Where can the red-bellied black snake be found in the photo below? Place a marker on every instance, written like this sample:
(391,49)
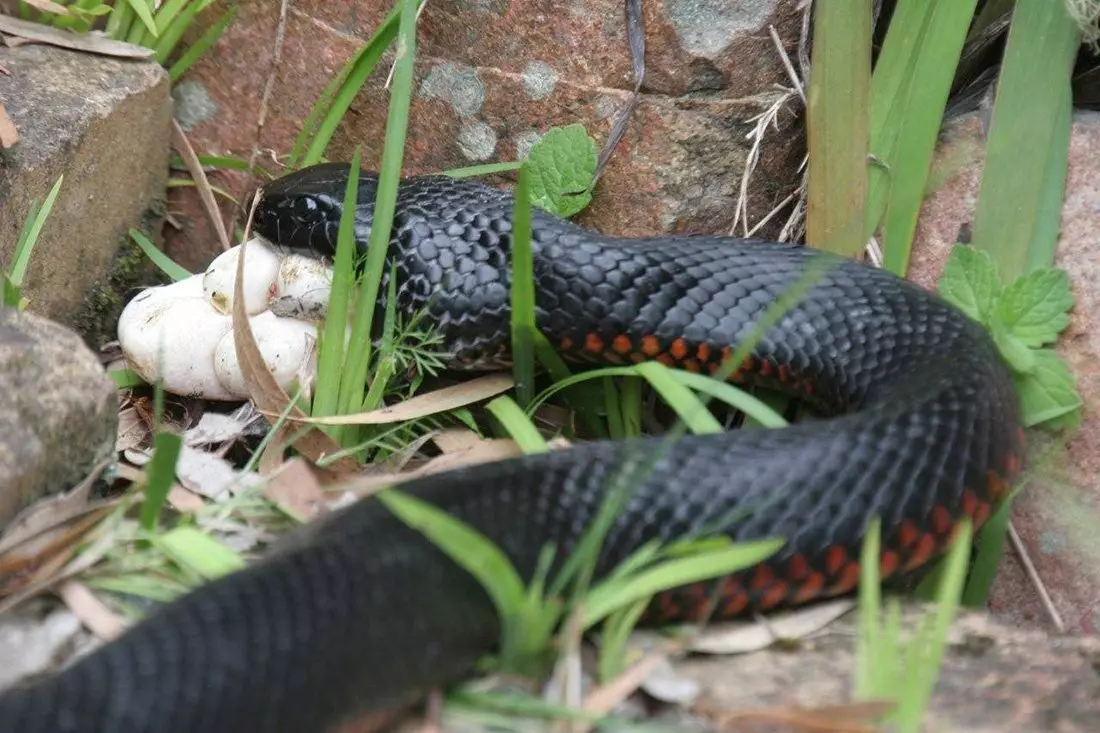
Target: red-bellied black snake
(364,612)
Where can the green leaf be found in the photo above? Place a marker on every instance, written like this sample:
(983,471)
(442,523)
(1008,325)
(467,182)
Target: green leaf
(1034,306)
(160,475)
(513,419)
(970,282)
(1014,351)
(167,265)
(1048,392)
(562,164)
(465,545)
(199,552)
(610,597)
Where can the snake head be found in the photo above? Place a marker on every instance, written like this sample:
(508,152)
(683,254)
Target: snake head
(300,212)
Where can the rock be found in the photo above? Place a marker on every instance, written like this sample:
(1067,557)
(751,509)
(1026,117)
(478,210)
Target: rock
(105,124)
(485,94)
(994,678)
(58,409)
(1058,513)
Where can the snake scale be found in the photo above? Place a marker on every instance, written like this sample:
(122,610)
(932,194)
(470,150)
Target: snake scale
(921,429)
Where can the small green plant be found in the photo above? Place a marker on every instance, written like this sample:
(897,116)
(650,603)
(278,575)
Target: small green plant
(1023,317)
(11,284)
(156,25)
(887,664)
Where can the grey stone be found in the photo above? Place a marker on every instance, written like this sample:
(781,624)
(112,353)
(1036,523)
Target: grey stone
(192,104)
(993,678)
(58,408)
(105,124)
(707,27)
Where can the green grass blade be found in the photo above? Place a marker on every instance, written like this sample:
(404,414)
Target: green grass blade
(144,11)
(1048,214)
(124,378)
(161,474)
(330,355)
(909,93)
(694,413)
(465,546)
(523,293)
(119,21)
(28,237)
(754,408)
(513,419)
(158,258)
(338,95)
(868,642)
(209,37)
(605,599)
(353,383)
(198,552)
(1034,82)
(837,125)
(483,170)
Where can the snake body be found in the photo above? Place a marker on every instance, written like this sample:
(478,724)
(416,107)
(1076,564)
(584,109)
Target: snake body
(363,613)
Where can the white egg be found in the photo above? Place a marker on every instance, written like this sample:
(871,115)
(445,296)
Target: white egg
(302,288)
(288,347)
(167,333)
(261,266)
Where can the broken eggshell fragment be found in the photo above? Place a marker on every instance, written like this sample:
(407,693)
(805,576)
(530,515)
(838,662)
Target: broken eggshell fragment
(303,287)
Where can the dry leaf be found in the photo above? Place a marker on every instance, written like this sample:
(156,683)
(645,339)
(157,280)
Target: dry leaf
(93,42)
(48,6)
(214,428)
(295,488)
(485,451)
(741,638)
(132,432)
(826,719)
(453,440)
(202,183)
(92,612)
(184,501)
(604,698)
(211,476)
(429,403)
(9,135)
(36,521)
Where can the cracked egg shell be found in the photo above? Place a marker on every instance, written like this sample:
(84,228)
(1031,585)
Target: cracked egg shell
(261,266)
(303,287)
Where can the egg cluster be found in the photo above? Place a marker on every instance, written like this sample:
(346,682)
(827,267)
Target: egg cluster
(182,333)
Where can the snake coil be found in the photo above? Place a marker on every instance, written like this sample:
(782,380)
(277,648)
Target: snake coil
(364,613)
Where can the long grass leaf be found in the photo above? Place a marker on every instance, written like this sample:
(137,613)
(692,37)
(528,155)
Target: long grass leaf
(158,258)
(336,98)
(909,93)
(605,599)
(837,125)
(209,37)
(517,424)
(330,356)
(1034,82)
(353,383)
(28,237)
(523,293)
(464,545)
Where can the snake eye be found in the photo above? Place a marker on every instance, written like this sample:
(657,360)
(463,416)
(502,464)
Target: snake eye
(304,208)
